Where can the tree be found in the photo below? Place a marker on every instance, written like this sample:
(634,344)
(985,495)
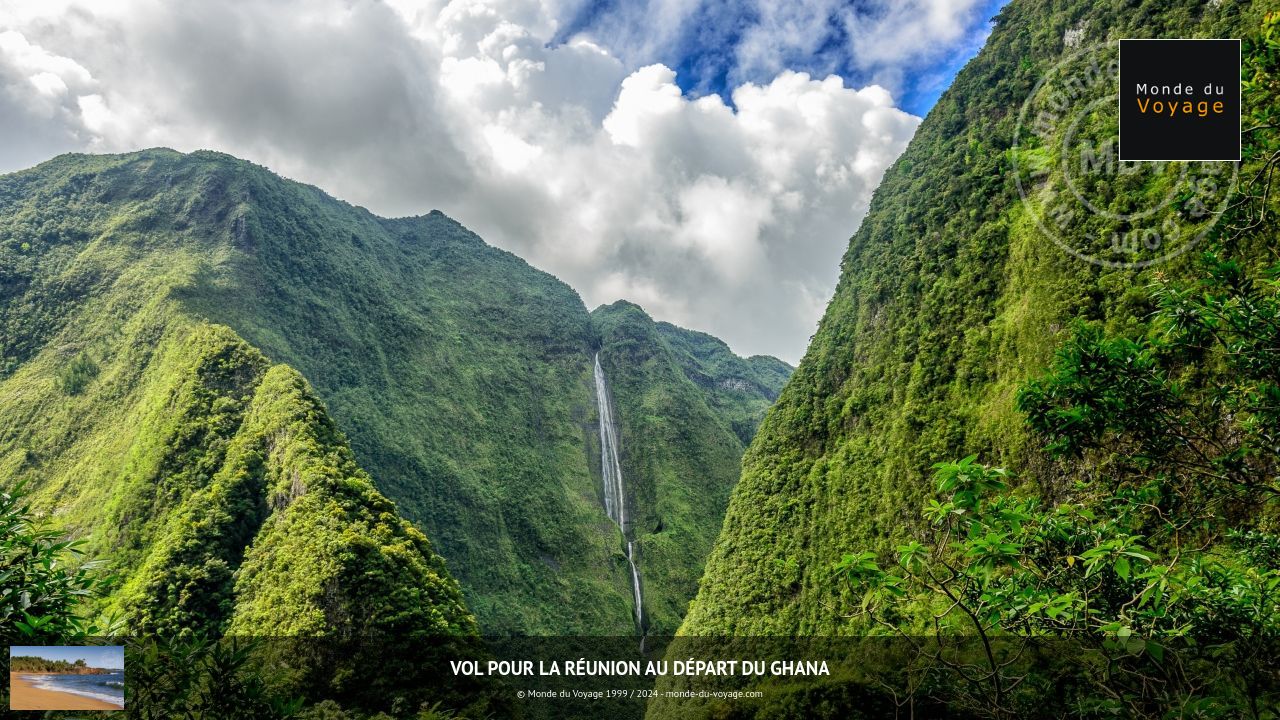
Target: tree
(44,579)
(1146,621)
(1154,564)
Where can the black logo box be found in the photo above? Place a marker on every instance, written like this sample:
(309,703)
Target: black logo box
(1180,65)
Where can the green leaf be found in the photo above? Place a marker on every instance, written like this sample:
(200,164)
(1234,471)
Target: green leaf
(1155,650)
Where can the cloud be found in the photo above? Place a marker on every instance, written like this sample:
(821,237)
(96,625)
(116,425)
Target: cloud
(40,98)
(729,221)
(728,217)
(893,31)
(903,36)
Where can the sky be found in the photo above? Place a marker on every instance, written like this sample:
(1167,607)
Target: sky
(107,657)
(707,159)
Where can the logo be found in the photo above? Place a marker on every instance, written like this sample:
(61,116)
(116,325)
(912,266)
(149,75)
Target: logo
(1180,100)
(1079,192)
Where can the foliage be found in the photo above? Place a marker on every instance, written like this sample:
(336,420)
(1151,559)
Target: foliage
(1159,558)
(198,679)
(329,710)
(366,568)
(77,374)
(43,578)
(44,582)
(1163,617)
(242,677)
(949,299)
(27,663)
(288,536)
(739,390)
(1210,444)
(1260,145)
(47,588)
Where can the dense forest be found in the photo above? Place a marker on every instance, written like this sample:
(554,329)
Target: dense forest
(28,663)
(218,378)
(949,302)
(993,442)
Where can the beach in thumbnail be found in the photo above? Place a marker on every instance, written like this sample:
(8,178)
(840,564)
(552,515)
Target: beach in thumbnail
(66,678)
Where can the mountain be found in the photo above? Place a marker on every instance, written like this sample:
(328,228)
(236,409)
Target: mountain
(950,298)
(222,379)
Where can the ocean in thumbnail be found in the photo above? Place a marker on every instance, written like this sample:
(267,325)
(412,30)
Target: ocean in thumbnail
(108,687)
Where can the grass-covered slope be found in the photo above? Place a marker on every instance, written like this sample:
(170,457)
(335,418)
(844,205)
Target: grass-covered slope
(461,376)
(288,537)
(949,299)
(738,389)
(681,399)
(191,461)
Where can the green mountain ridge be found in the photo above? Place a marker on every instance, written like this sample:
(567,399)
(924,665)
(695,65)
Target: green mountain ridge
(949,299)
(141,296)
(225,458)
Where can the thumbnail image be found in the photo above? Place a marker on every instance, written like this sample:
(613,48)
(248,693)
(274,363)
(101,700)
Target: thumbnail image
(66,678)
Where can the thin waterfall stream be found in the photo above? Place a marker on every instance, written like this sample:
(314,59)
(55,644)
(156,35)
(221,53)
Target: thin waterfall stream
(615,497)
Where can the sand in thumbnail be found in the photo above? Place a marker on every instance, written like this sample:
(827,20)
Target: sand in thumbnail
(24,696)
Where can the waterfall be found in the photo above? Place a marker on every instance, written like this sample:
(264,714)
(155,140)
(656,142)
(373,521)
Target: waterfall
(615,497)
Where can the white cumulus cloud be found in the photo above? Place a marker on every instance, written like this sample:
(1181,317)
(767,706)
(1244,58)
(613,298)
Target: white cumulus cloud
(728,218)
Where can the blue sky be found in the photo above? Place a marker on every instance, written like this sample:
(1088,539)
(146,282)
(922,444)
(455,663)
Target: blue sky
(705,50)
(106,656)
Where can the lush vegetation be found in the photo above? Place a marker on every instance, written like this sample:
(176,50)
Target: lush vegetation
(141,296)
(738,389)
(401,633)
(195,678)
(1129,567)
(44,578)
(218,486)
(950,299)
(1161,560)
(44,583)
(29,663)
(288,537)
(260,523)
